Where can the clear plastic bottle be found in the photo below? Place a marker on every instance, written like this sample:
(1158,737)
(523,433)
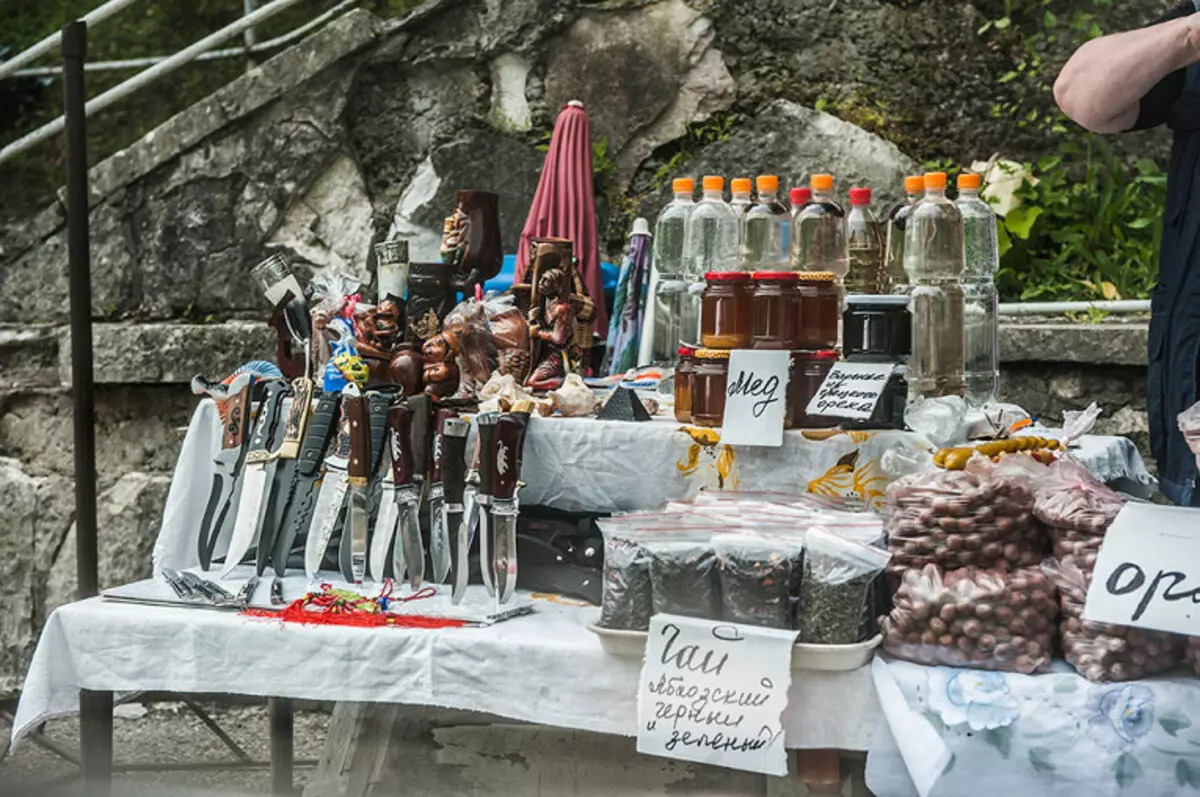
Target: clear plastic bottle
(864,244)
(711,235)
(741,200)
(669,318)
(767,230)
(799,197)
(934,260)
(819,240)
(897,278)
(980,324)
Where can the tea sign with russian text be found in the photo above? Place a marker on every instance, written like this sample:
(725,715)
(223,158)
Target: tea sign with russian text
(714,693)
(1147,573)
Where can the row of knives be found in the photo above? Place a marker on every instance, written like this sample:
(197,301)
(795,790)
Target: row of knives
(362,466)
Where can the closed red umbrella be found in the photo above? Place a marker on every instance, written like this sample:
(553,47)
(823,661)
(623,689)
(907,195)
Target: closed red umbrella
(564,205)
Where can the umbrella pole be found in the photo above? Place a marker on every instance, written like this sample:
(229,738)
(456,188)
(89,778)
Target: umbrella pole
(95,708)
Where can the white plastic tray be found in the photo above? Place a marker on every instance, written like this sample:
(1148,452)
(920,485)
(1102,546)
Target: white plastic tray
(831,658)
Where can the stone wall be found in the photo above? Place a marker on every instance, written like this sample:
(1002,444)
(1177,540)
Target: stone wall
(366,128)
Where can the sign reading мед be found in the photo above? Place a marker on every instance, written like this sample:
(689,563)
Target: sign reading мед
(714,693)
(1147,573)
(755,398)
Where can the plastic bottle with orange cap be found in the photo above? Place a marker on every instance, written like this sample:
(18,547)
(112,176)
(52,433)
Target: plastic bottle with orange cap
(711,234)
(980,323)
(666,321)
(897,278)
(934,260)
(766,230)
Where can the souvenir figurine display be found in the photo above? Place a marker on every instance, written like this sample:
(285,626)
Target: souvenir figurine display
(471,240)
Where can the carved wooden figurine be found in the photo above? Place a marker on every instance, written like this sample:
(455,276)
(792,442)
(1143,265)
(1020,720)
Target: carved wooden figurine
(440,353)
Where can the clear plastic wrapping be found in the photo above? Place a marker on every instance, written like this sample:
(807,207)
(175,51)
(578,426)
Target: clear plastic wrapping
(1070,497)
(1103,652)
(976,518)
(835,592)
(626,601)
(983,619)
(759,574)
(683,576)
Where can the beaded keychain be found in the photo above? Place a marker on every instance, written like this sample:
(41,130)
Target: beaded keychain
(332,606)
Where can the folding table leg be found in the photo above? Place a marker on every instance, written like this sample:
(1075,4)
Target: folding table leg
(96,741)
(282,749)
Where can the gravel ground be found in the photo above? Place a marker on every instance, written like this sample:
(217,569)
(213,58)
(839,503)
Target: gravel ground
(158,733)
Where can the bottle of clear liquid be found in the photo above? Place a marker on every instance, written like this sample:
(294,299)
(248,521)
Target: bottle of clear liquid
(741,200)
(819,242)
(667,318)
(897,279)
(767,230)
(711,235)
(864,243)
(980,324)
(934,259)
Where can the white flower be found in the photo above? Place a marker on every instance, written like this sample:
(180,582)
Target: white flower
(977,698)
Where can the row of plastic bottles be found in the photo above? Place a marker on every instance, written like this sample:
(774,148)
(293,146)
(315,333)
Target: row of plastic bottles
(942,253)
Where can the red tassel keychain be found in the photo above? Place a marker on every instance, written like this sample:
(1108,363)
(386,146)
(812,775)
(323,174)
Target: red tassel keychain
(343,607)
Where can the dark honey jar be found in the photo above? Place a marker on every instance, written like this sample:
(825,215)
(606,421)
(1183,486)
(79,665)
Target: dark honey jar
(808,372)
(725,310)
(820,310)
(708,386)
(775,310)
(684,370)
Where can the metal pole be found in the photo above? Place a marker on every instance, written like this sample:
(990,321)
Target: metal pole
(48,44)
(248,37)
(95,708)
(282,719)
(148,76)
(1058,308)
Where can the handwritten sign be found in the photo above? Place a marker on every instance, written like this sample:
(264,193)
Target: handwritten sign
(851,390)
(714,693)
(1147,573)
(755,398)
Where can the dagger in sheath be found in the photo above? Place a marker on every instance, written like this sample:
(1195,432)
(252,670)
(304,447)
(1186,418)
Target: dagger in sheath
(439,535)
(409,500)
(397,478)
(331,497)
(486,425)
(286,455)
(234,409)
(256,475)
(454,477)
(352,553)
(506,457)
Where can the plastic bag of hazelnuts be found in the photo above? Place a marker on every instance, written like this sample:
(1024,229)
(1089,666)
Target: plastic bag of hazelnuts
(1102,652)
(983,619)
(979,518)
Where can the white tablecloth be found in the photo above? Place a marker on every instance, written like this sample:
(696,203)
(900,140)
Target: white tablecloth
(951,732)
(546,668)
(586,465)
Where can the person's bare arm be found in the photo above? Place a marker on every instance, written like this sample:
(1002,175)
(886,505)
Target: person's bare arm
(1102,85)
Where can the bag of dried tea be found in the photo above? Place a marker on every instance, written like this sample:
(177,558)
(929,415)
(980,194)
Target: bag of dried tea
(683,574)
(756,573)
(1103,652)
(984,619)
(834,606)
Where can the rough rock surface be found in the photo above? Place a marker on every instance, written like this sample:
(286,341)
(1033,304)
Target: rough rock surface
(18,533)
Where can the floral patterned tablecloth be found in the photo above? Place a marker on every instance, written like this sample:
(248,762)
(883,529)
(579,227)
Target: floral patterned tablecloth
(954,732)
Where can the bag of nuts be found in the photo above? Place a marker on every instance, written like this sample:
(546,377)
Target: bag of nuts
(985,619)
(1192,652)
(1102,652)
(981,517)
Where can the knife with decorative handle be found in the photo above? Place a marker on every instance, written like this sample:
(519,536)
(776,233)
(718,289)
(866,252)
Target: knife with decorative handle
(235,418)
(486,424)
(352,554)
(378,402)
(256,475)
(454,477)
(418,445)
(383,530)
(283,485)
(295,514)
(510,439)
(331,498)
(439,535)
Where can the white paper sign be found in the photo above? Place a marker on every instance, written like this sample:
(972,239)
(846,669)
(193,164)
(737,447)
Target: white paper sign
(755,398)
(714,693)
(1148,571)
(851,390)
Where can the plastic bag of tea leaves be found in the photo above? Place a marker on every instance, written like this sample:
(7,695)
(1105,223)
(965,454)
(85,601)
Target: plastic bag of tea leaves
(756,573)
(626,601)
(683,575)
(836,588)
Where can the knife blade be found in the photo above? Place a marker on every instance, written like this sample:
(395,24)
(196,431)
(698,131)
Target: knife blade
(246,593)
(256,473)
(408,496)
(510,439)
(377,408)
(295,514)
(398,460)
(454,477)
(486,424)
(235,417)
(352,553)
(276,591)
(285,471)
(439,535)
(331,498)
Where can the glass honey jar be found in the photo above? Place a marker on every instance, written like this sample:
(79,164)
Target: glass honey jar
(708,386)
(808,372)
(820,310)
(684,369)
(774,310)
(725,310)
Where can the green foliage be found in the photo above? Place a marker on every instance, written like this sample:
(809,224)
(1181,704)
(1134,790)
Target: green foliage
(699,135)
(1089,225)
